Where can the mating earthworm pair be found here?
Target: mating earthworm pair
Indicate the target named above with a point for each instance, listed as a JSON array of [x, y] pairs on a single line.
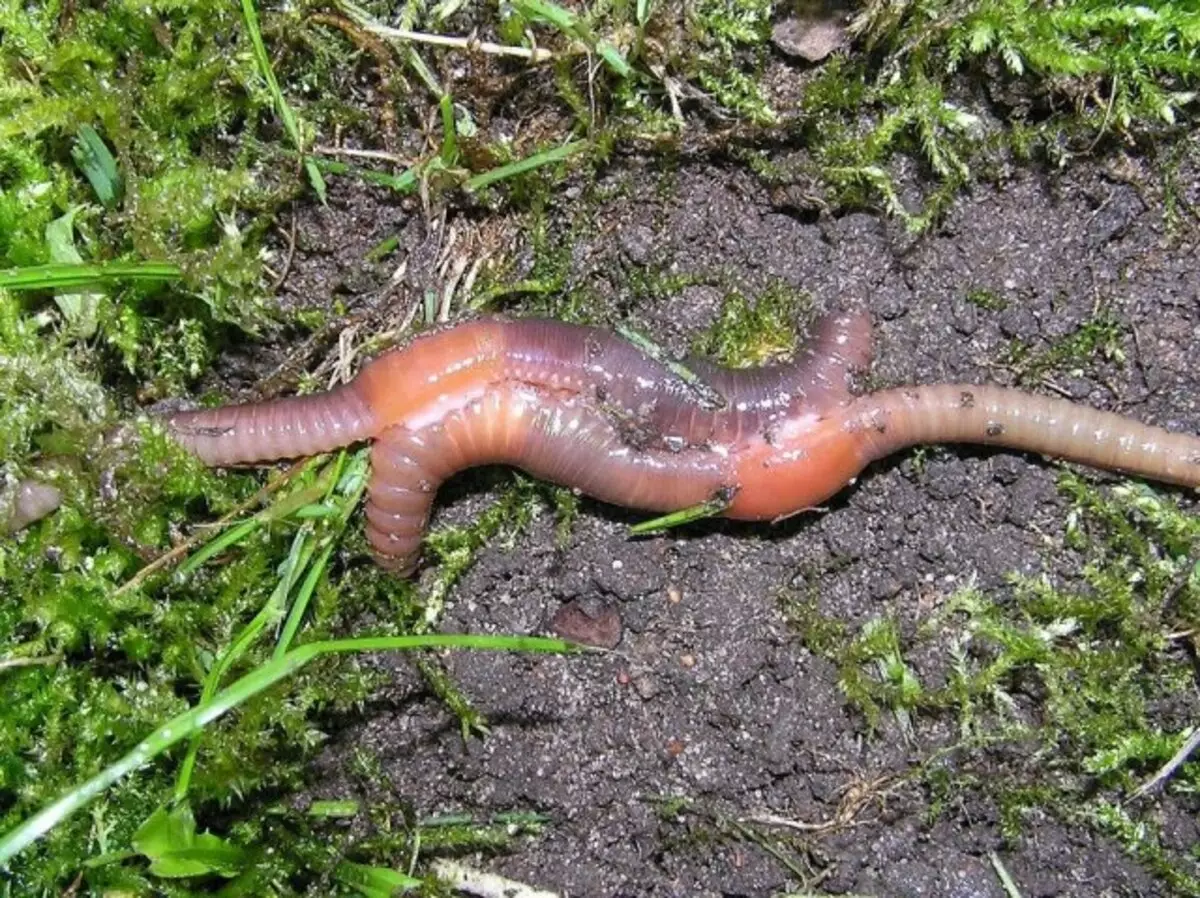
[[586, 409]]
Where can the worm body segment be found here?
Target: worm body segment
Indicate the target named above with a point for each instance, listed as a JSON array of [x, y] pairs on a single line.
[[558, 438], [995, 416]]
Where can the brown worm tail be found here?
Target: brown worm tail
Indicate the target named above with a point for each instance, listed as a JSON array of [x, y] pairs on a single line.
[[283, 428], [998, 416]]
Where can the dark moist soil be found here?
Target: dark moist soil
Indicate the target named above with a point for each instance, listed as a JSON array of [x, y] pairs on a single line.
[[710, 695]]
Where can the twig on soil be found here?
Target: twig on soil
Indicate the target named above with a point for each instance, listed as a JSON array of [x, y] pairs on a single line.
[[471, 44], [10, 663], [290, 237], [855, 796], [1006, 881], [351, 153], [1165, 772], [485, 885], [786, 823]]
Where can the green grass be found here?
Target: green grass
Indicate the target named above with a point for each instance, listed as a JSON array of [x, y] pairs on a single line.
[[147, 152], [71, 716]]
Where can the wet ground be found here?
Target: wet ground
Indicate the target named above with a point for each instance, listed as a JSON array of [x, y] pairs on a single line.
[[710, 695]]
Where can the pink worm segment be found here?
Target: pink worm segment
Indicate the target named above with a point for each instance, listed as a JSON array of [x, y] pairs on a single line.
[[990, 415], [582, 408], [563, 440], [284, 428]]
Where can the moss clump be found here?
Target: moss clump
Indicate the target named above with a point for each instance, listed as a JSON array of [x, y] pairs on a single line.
[[1123, 66], [94, 660], [747, 334], [987, 300], [1066, 74], [1084, 683], [1101, 337], [856, 158], [732, 37], [164, 91]]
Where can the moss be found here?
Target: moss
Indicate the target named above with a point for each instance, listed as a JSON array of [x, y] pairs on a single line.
[[854, 156], [731, 39], [455, 547], [671, 808], [1101, 337], [161, 90], [747, 334], [31, 194], [1067, 74], [108, 663], [1144, 53], [462, 834], [1060, 692], [823, 636], [987, 300]]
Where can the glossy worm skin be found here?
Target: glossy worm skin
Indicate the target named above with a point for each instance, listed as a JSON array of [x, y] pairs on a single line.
[[583, 408]]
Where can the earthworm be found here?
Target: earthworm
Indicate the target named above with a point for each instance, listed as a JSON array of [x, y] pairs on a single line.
[[580, 407]]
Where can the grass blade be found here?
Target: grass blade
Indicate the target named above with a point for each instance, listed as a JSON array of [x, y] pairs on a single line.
[[711, 508], [404, 183], [271, 611], [529, 163], [576, 28], [98, 166], [449, 131], [56, 275], [230, 537], [184, 725], [614, 59], [300, 605], [290, 124], [562, 19]]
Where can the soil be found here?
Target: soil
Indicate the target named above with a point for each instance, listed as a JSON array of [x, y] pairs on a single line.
[[710, 695]]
